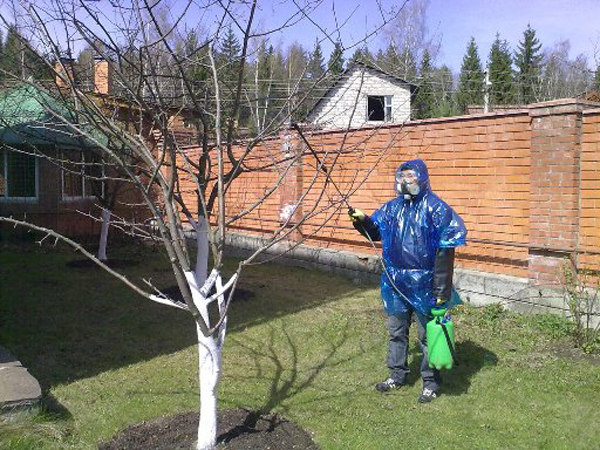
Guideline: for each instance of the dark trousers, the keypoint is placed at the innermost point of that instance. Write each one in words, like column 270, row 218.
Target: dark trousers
column 398, row 327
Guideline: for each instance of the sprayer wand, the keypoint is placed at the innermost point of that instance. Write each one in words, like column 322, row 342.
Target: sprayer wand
column 322, row 166
column 345, row 200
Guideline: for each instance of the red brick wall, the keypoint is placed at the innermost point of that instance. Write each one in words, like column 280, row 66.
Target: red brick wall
column 519, row 180
column 590, row 190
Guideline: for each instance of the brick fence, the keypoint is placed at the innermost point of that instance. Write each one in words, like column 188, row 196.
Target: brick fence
column 526, row 182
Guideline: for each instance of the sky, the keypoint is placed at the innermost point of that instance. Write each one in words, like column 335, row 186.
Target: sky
column 450, row 22
column 553, row 20
column 454, row 22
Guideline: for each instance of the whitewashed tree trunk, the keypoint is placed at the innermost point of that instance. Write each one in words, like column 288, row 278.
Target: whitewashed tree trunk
column 104, row 234
column 209, row 348
column 209, row 360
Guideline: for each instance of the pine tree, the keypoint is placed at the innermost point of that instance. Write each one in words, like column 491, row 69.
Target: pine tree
column 228, row 60
column 528, row 61
column 20, row 58
column 196, row 59
column 362, row 55
column 336, row 60
column 500, row 73
column 444, row 105
column 597, row 78
column 316, row 63
column 424, row 97
column 391, row 61
column 471, row 80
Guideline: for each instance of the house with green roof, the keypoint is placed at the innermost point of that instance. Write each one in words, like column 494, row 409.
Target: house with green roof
column 47, row 167
column 52, row 171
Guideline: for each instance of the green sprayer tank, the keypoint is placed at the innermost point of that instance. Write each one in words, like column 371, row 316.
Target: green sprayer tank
column 438, row 344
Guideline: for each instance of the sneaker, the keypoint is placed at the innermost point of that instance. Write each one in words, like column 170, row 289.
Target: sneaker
column 427, row 396
column 388, row 385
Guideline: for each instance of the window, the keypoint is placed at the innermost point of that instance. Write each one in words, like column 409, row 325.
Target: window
column 80, row 175
column 379, row 108
column 18, row 175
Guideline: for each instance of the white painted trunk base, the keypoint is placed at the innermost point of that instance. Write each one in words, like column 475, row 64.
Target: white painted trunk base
column 210, row 349
column 104, row 234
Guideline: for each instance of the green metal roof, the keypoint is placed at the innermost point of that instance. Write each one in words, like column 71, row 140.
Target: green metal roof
column 28, row 115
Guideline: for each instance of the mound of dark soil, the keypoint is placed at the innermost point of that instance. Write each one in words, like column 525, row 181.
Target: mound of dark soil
column 239, row 430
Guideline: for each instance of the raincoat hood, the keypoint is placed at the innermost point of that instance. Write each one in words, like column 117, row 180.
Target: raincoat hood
column 420, row 168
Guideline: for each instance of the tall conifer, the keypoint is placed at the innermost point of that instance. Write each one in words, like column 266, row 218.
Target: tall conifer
column 316, row 63
column 500, row 73
column 471, row 80
column 528, row 61
column 336, row 60
column 424, row 98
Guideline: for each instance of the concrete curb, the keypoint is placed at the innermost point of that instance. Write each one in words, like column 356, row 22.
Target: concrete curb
column 20, row 392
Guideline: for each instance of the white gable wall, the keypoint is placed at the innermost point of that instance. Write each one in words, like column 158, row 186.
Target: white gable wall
column 346, row 103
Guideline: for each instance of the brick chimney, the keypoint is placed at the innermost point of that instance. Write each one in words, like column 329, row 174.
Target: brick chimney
column 102, row 79
column 65, row 73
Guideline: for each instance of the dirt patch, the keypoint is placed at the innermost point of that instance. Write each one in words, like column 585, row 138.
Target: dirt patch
column 568, row 352
column 240, row 429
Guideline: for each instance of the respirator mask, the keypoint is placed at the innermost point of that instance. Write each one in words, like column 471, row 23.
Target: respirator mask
column 407, row 184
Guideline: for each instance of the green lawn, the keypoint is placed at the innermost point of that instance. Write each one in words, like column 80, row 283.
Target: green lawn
column 308, row 345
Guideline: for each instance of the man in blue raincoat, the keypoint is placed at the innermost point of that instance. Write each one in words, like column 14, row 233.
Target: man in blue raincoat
column 419, row 233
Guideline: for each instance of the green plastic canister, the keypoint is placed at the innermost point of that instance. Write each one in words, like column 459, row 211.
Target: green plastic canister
column 438, row 347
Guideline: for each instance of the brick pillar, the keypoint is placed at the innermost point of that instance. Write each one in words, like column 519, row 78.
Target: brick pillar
column 102, row 79
column 64, row 72
column 290, row 189
column 554, row 188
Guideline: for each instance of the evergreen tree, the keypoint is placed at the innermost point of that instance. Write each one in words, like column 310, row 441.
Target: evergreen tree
column 336, row 60
column 471, row 79
column 424, row 98
column 391, row 61
column 380, row 59
column 500, row 73
column 528, row 61
column 444, row 105
column 316, row 63
column 228, row 60
column 21, row 59
column 597, row 78
column 362, row 55
column 84, row 68
column 196, row 60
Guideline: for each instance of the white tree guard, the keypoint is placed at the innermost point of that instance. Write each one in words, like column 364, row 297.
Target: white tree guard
column 104, row 234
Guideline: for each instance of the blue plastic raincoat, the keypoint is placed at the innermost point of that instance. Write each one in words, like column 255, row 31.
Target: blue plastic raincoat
column 411, row 232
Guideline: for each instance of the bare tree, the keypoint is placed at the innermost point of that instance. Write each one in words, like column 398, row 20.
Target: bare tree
column 132, row 131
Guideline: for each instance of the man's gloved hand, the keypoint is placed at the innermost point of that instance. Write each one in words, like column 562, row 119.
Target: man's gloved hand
column 440, row 303
column 356, row 215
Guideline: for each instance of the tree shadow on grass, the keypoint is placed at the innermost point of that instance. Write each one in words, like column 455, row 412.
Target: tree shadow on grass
column 66, row 324
column 287, row 380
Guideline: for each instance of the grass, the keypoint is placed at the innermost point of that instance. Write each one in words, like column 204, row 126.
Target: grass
column 308, row 345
